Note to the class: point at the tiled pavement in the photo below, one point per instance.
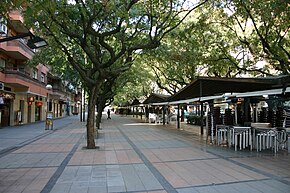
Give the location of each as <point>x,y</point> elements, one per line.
<point>137,157</point>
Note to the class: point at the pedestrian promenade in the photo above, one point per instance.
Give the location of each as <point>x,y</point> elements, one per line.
<point>137,157</point>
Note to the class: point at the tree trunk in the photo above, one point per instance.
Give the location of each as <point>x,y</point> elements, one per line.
<point>101,106</point>
<point>91,131</point>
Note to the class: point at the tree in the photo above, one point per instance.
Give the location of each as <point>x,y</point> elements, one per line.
<point>195,48</point>
<point>57,62</point>
<point>262,28</point>
<point>108,33</point>
<point>8,5</point>
<point>135,83</point>
<point>225,39</point>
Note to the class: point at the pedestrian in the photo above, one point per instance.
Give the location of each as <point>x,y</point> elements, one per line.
<point>109,114</point>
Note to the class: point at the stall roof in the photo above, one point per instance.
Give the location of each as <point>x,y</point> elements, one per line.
<point>210,86</point>
<point>135,102</point>
<point>125,104</point>
<point>156,98</point>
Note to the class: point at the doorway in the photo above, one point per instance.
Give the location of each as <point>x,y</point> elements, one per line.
<point>37,113</point>
<point>29,114</point>
<point>5,113</point>
<point>21,110</point>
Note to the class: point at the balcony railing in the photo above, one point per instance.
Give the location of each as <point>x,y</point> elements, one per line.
<point>58,90</point>
<point>21,43</point>
<point>21,74</point>
<point>11,70</point>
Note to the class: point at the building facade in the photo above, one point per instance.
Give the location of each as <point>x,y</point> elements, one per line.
<point>61,101</point>
<point>23,93</point>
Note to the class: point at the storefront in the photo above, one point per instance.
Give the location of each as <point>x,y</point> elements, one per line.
<point>38,110</point>
<point>6,100</point>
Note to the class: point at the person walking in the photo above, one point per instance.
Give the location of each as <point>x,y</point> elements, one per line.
<point>109,114</point>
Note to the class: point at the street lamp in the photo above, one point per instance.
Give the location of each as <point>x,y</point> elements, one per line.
<point>48,87</point>
<point>49,114</point>
<point>34,42</point>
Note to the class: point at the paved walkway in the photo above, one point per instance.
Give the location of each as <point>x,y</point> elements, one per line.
<point>13,137</point>
<point>137,157</point>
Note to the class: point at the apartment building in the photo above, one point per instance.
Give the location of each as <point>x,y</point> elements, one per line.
<point>23,93</point>
<point>61,102</point>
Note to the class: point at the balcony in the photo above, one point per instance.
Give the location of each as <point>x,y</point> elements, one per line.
<point>16,22</point>
<point>21,81</point>
<point>58,93</point>
<point>17,49</point>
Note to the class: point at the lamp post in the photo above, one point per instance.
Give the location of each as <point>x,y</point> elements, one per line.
<point>48,113</point>
<point>48,87</point>
<point>34,42</point>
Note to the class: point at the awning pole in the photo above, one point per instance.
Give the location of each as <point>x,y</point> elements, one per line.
<point>178,116</point>
<point>201,117</point>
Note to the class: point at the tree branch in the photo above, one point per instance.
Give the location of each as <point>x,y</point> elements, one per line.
<point>75,64</point>
<point>183,18</point>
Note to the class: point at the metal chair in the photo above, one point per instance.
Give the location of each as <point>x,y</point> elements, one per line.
<point>266,139</point>
<point>222,134</point>
<point>241,136</point>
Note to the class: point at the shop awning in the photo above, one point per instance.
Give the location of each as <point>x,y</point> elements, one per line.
<point>211,86</point>
<point>261,93</point>
<point>186,101</point>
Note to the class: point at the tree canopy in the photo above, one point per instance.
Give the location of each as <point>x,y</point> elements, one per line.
<point>262,29</point>
<point>108,42</point>
<point>226,38</point>
<point>107,34</point>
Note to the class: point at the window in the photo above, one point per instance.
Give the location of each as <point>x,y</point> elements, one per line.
<point>3,27</point>
<point>34,73</point>
<point>2,64</point>
<point>21,69</point>
<point>1,86</point>
<point>42,77</point>
<point>15,67</point>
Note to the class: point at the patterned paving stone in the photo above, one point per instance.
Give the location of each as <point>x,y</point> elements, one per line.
<point>240,187</point>
<point>138,157</point>
<point>57,141</point>
<point>170,143</point>
<point>176,154</point>
<point>111,178</point>
<point>36,148</point>
<point>280,164</point>
<point>17,160</point>
<point>205,172</point>
<point>24,180</point>
<point>87,157</point>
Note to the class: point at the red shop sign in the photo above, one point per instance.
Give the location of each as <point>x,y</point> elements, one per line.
<point>39,104</point>
<point>30,99</point>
